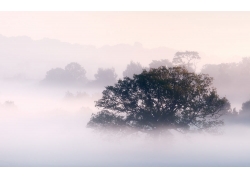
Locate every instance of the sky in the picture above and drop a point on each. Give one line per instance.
(223, 34)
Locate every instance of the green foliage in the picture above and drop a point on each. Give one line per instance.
(161, 99)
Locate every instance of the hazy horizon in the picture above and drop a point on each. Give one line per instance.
(215, 33)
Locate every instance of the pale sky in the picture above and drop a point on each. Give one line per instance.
(216, 33)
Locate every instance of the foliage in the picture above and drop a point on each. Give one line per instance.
(188, 59)
(161, 99)
(73, 74)
(245, 109)
(56, 75)
(231, 79)
(230, 75)
(105, 77)
(76, 71)
(79, 95)
(159, 63)
(107, 119)
(132, 68)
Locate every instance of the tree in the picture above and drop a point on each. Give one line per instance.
(105, 76)
(159, 63)
(245, 109)
(161, 99)
(57, 76)
(188, 59)
(132, 68)
(77, 72)
(73, 74)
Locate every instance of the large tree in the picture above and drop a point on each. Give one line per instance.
(161, 99)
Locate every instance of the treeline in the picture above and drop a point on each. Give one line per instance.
(229, 74)
(75, 75)
(239, 117)
(230, 79)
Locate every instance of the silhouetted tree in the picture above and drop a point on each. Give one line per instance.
(132, 68)
(161, 99)
(188, 59)
(159, 63)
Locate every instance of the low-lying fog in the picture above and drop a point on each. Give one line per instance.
(45, 126)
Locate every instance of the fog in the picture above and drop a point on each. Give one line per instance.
(45, 127)
(48, 93)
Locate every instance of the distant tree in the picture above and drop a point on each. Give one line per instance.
(234, 112)
(10, 105)
(188, 59)
(211, 69)
(243, 69)
(161, 99)
(73, 74)
(231, 79)
(78, 96)
(245, 109)
(105, 76)
(132, 68)
(77, 72)
(223, 74)
(58, 76)
(159, 63)
(81, 95)
(69, 95)
(231, 116)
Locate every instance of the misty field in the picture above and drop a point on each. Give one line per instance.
(42, 127)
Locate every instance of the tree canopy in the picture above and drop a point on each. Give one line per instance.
(159, 100)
